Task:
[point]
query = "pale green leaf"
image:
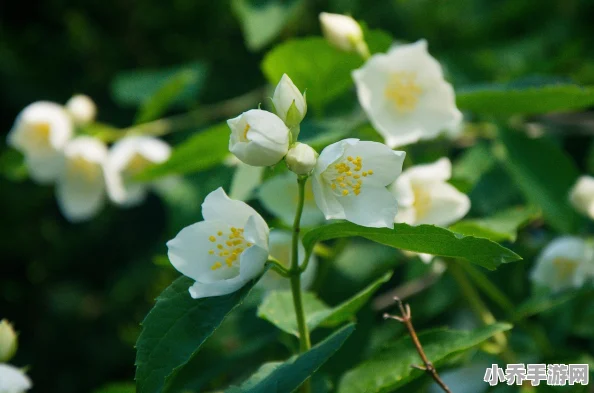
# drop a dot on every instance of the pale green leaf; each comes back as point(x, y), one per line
point(287, 376)
point(122, 387)
point(278, 308)
point(421, 239)
point(391, 367)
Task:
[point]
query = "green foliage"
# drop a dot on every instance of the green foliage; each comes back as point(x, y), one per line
point(544, 174)
point(175, 329)
point(117, 388)
point(390, 368)
point(201, 151)
point(325, 72)
point(499, 227)
point(422, 239)
point(508, 100)
point(278, 309)
point(287, 376)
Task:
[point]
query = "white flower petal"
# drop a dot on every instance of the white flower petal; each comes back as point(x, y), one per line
point(326, 200)
point(440, 170)
point(218, 288)
point(385, 163)
point(13, 380)
point(45, 170)
point(374, 207)
point(333, 152)
point(82, 109)
point(218, 206)
point(581, 195)
point(445, 206)
point(252, 263)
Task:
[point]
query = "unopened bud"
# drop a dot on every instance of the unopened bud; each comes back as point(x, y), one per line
point(8, 341)
point(289, 103)
point(82, 109)
point(301, 158)
point(344, 32)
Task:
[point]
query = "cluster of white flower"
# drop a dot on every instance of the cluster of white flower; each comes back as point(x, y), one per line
point(82, 168)
point(12, 379)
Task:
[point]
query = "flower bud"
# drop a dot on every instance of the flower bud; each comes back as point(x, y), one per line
point(258, 138)
point(8, 341)
point(82, 109)
point(301, 158)
point(289, 103)
point(581, 195)
point(344, 33)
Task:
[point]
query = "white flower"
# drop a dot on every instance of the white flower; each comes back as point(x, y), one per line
point(581, 195)
point(223, 252)
point(425, 197)
point(280, 194)
point(343, 32)
point(280, 248)
point(82, 109)
point(566, 262)
point(80, 188)
point(350, 182)
point(40, 132)
point(8, 341)
point(405, 95)
point(301, 158)
point(289, 103)
point(13, 380)
point(258, 138)
point(128, 158)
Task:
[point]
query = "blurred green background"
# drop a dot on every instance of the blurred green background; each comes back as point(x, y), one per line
point(77, 293)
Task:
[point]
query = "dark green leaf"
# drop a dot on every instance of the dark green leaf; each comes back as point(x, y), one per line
point(391, 367)
point(277, 308)
point(422, 239)
point(175, 329)
point(287, 376)
point(122, 387)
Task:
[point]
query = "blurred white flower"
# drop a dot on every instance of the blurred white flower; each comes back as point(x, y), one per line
point(301, 158)
point(258, 138)
point(246, 178)
point(581, 195)
point(566, 262)
point(13, 380)
point(128, 158)
point(223, 252)
point(80, 188)
point(82, 109)
point(40, 132)
point(8, 341)
point(280, 248)
point(350, 182)
point(280, 195)
point(289, 103)
point(425, 197)
point(343, 32)
point(405, 95)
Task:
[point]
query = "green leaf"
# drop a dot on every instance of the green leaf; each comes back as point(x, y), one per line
point(506, 100)
point(378, 41)
point(134, 88)
point(12, 165)
point(156, 105)
point(287, 376)
point(544, 174)
point(122, 387)
point(502, 226)
point(200, 152)
point(175, 329)
point(473, 164)
point(325, 72)
point(277, 308)
point(427, 239)
point(391, 367)
point(263, 20)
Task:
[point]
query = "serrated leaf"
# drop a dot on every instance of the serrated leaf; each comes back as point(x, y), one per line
point(391, 367)
point(175, 329)
point(499, 227)
point(426, 239)
point(287, 376)
point(278, 309)
point(200, 152)
point(506, 100)
point(325, 72)
point(544, 174)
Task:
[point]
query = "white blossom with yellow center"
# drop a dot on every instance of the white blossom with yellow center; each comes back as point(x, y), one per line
point(567, 262)
point(128, 158)
point(280, 194)
point(425, 197)
point(405, 95)
point(80, 188)
point(40, 132)
point(581, 195)
point(223, 252)
point(13, 380)
point(350, 179)
point(280, 248)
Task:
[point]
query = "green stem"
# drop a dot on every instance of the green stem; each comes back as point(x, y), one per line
point(277, 266)
point(295, 272)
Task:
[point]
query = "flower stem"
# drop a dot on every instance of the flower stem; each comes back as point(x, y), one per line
point(295, 273)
